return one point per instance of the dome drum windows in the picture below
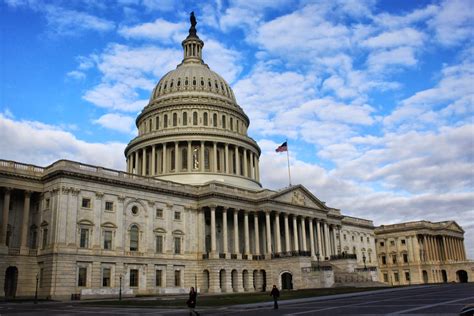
(205, 119)
(214, 120)
(185, 118)
(175, 119)
(165, 121)
(195, 118)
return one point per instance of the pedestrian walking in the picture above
(276, 294)
(191, 302)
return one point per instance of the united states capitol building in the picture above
(190, 211)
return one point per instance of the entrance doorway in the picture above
(462, 276)
(287, 281)
(444, 275)
(425, 276)
(11, 280)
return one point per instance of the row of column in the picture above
(442, 248)
(138, 161)
(25, 219)
(322, 236)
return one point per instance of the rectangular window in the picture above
(407, 276)
(82, 277)
(106, 277)
(394, 258)
(345, 237)
(159, 213)
(403, 241)
(109, 206)
(392, 242)
(353, 238)
(133, 278)
(177, 216)
(33, 237)
(158, 278)
(405, 258)
(384, 260)
(177, 278)
(46, 203)
(159, 244)
(45, 238)
(395, 276)
(84, 240)
(107, 240)
(361, 239)
(385, 277)
(177, 245)
(368, 239)
(382, 244)
(86, 203)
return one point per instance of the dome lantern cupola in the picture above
(192, 130)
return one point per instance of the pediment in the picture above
(298, 195)
(454, 227)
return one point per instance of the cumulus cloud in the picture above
(160, 29)
(118, 122)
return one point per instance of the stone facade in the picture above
(422, 252)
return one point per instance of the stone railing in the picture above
(372, 269)
(288, 254)
(21, 167)
(316, 269)
(344, 256)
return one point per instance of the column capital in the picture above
(212, 206)
(7, 189)
(285, 214)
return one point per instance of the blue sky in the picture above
(375, 97)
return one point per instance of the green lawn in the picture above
(227, 299)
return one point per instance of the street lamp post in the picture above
(363, 259)
(317, 256)
(120, 289)
(36, 291)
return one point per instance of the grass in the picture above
(227, 299)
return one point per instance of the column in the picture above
(226, 158)
(202, 166)
(190, 158)
(257, 169)
(153, 160)
(326, 238)
(6, 209)
(128, 164)
(236, 232)
(269, 233)
(237, 160)
(287, 234)
(25, 221)
(176, 157)
(340, 239)
(144, 161)
(277, 232)
(303, 234)
(463, 250)
(214, 157)
(295, 235)
(225, 246)
(165, 167)
(213, 229)
(246, 233)
(334, 238)
(416, 249)
(445, 251)
(252, 166)
(246, 171)
(257, 239)
(320, 248)
(311, 237)
(136, 162)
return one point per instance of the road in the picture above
(447, 299)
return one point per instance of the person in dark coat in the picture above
(191, 302)
(276, 294)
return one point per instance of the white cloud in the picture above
(224, 61)
(75, 74)
(115, 97)
(118, 122)
(160, 29)
(401, 37)
(41, 144)
(401, 56)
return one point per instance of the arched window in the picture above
(149, 125)
(223, 121)
(205, 118)
(134, 238)
(231, 124)
(195, 118)
(165, 120)
(157, 122)
(184, 158)
(214, 120)
(206, 159)
(173, 156)
(175, 119)
(185, 118)
(196, 151)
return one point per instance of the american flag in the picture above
(283, 147)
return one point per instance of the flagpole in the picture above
(288, 159)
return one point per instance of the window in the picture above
(218, 162)
(407, 275)
(177, 216)
(86, 203)
(395, 277)
(392, 242)
(382, 244)
(368, 239)
(177, 278)
(33, 237)
(185, 118)
(214, 120)
(385, 277)
(405, 258)
(159, 244)
(184, 158)
(361, 239)
(158, 278)
(45, 238)
(223, 121)
(177, 245)
(47, 203)
(384, 260)
(149, 125)
(403, 242)
(345, 237)
(175, 119)
(353, 238)
(133, 278)
(231, 124)
(157, 122)
(394, 258)
(205, 119)
(109, 206)
(206, 158)
(134, 238)
(165, 121)
(135, 210)
(195, 118)
(173, 159)
(82, 276)
(84, 240)
(107, 240)
(106, 277)
(159, 213)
